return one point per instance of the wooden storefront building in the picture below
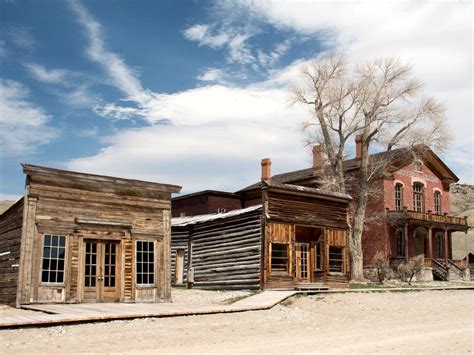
(296, 236)
(78, 237)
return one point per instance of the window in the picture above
(279, 257)
(417, 166)
(418, 197)
(145, 263)
(437, 202)
(54, 252)
(318, 262)
(335, 259)
(221, 210)
(400, 243)
(439, 245)
(398, 197)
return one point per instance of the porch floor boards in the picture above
(58, 314)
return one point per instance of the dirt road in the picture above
(414, 322)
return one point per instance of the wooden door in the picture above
(101, 271)
(302, 262)
(179, 268)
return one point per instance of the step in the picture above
(310, 286)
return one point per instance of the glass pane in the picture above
(61, 265)
(139, 278)
(62, 241)
(47, 240)
(106, 282)
(61, 252)
(94, 248)
(47, 252)
(112, 281)
(44, 276)
(60, 277)
(45, 264)
(54, 241)
(93, 281)
(53, 264)
(54, 252)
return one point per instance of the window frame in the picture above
(400, 242)
(437, 202)
(417, 166)
(342, 271)
(142, 263)
(287, 265)
(398, 196)
(57, 259)
(418, 196)
(318, 257)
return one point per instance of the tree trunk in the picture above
(357, 260)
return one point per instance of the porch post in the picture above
(406, 243)
(430, 242)
(446, 246)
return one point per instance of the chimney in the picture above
(358, 141)
(318, 158)
(266, 169)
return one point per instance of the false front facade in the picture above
(78, 237)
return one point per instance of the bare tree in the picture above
(383, 105)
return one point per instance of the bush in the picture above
(406, 272)
(381, 266)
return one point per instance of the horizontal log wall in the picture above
(226, 254)
(10, 241)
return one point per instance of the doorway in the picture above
(101, 271)
(179, 269)
(302, 264)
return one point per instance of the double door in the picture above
(101, 271)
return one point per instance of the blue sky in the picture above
(196, 92)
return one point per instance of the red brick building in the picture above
(408, 216)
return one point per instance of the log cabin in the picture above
(296, 237)
(76, 237)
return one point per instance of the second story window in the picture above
(398, 197)
(418, 204)
(437, 202)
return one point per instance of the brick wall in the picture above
(407, 176)
(204, 204)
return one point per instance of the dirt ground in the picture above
(409, 322)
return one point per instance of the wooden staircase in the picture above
(310, 286)
(440, 272)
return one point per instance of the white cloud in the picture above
(21, 37)
(39, 72)
(23, 125)
(234, 39)
(122, 76)
(212, 74)
(204, 36)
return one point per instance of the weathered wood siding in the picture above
(226, 253)
(10, 240)
(306, 210)
(90, 207)
(179, 240)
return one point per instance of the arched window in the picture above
(418, 203)
(398, 197)
(400, 243)
(437, 202)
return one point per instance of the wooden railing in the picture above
(430, 217)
